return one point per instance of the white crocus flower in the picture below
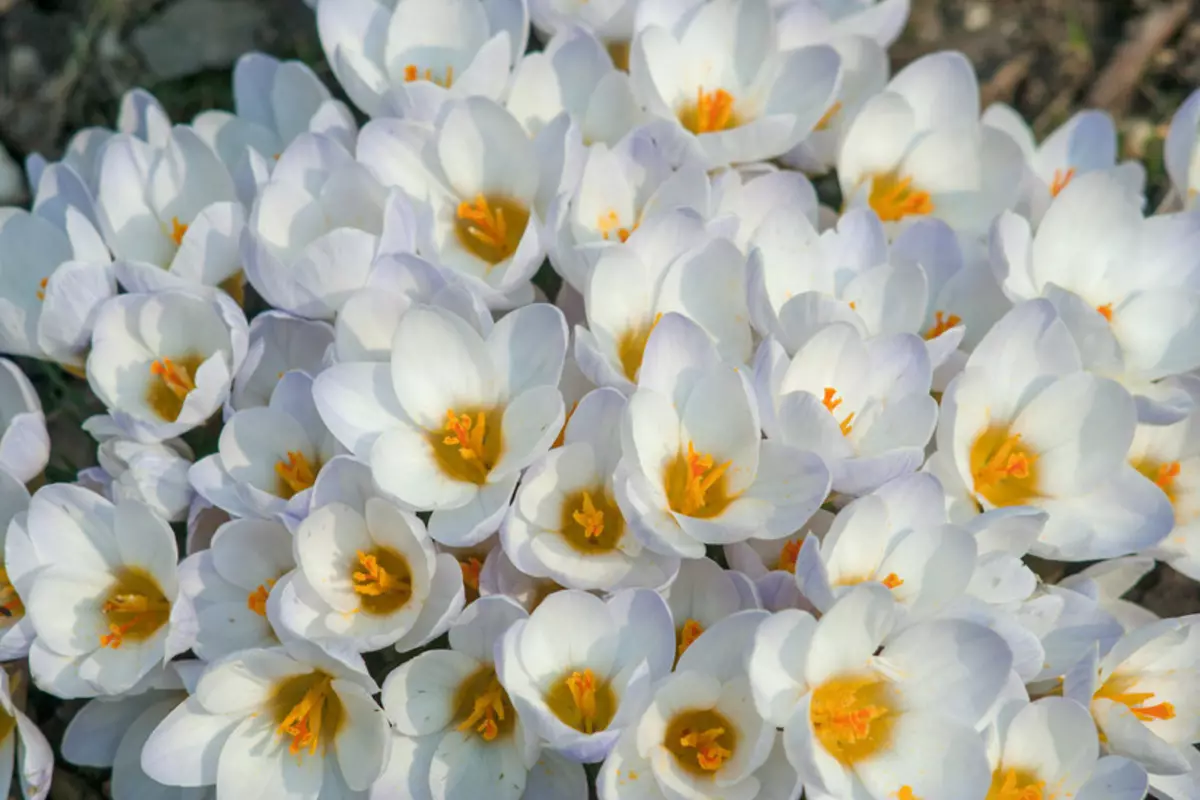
(918, 149)
(619, 188)
(458, 734)
(451, 422)
(1181, 152)
(574, 75)
(268, 458)
(155, 473)
(228, 585)
(24, 443)
(565, 524)
(102, 587)
(163, 363)
(274, 102)
(862, 405)
(277, 344)
(1141, 695)
(669, 265)
(1050, 749)
(315, 228)
(287, 721)
(1125, 286)
(16, 629)
(719, 77)
(611, 22)
(580, 669)
(869, 709)
(880, 20)
(372, 579)
(1085, 143)
(896, 536)
(24, 746)
(1025, 426)
(701, 595)
(473, 179)
(695, 470)
(426, 48)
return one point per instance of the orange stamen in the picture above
(176, 379)
(590, 518)
(690, 632)
(374, 580)
(831, 401)
(486, 226)
(178, 230)
(788, 555)
(709, 755)
(296, 472)
(1061, 179)
(1106, 311)
(942, 323)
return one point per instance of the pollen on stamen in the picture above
(788, 555)
(178, 231)
(583, 700)
(1062, 178)
(1105, 311)
(609, 225)
(686, 637)
(41, 292)
(491, 227)
(894, 198)
(831, 401)
(712, 112)
(942, 322)
(413, 73)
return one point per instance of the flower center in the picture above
(10, 603)
(685, 636)
(853, 716)
(696, 485)
(382, 580)
(631, 347)
(256, 601)
(1004, 470)
(482, 705)
(307, 710)
(1105, 311)
(788, 555)
(942, 322)
(700, 740)
(466, 448)
(712, 111)
(412, 73)
(490, 228)
(831, 401)
(609, 225)
(295, 474)
(178, 231)
(591, 522)
(41, 292)
(135, 608)
(619, 53)
(176, 377)
(471, 567)
(1015, 784)
(894, 198)
(1163, 474)
(1062, 178)
(583, 701)
(1117, 687)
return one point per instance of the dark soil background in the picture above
(64, 65)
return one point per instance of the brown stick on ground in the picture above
(1115, 86)
(1003, 85)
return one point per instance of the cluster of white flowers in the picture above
(743, 513)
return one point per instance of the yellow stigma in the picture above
(1163, 474)
(609, 225)
(591, 522)
(256, 601)
(696, 486)
(895, 198)
(490, 227)
(412, 73)
(942, 322)
(583, 701)
(853, 717)
(831, 401)
(712, 111)
(135, 608)
(686, 636)
(467, 446)
(295, 474)
(178, 231)
(1003, 469)
(308, 711)
(701, 740)
(176, 378)
(589, 518)
(1016, 784)
(1117, 689)
(483, 706)
(1105, 311)
(382, 579)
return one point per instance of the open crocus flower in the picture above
(701, 595)
(574, 75)
(315, 228)
(862, 405)
(1025, 426)
(618, 188)
(268, 458)
(372, 579)
(458, 734)
(565, 523)
(918, 149)
(289, 721)
(448, 428)
(1085, 143)
(1050, 749)
(695, 470)
(473, 180)
(610, 22)
(1142, 695)
(277, 344)
(24, 745)
(874, 711)
(460, 48)
(669, 265)
(1124, 285)
(101, 591)
(228, 584)
(155, 473)
(274, 102)
(163, 363)
(737, 101)
(580, 669)
(24, 443)
(896, 536)
(1181, 152)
